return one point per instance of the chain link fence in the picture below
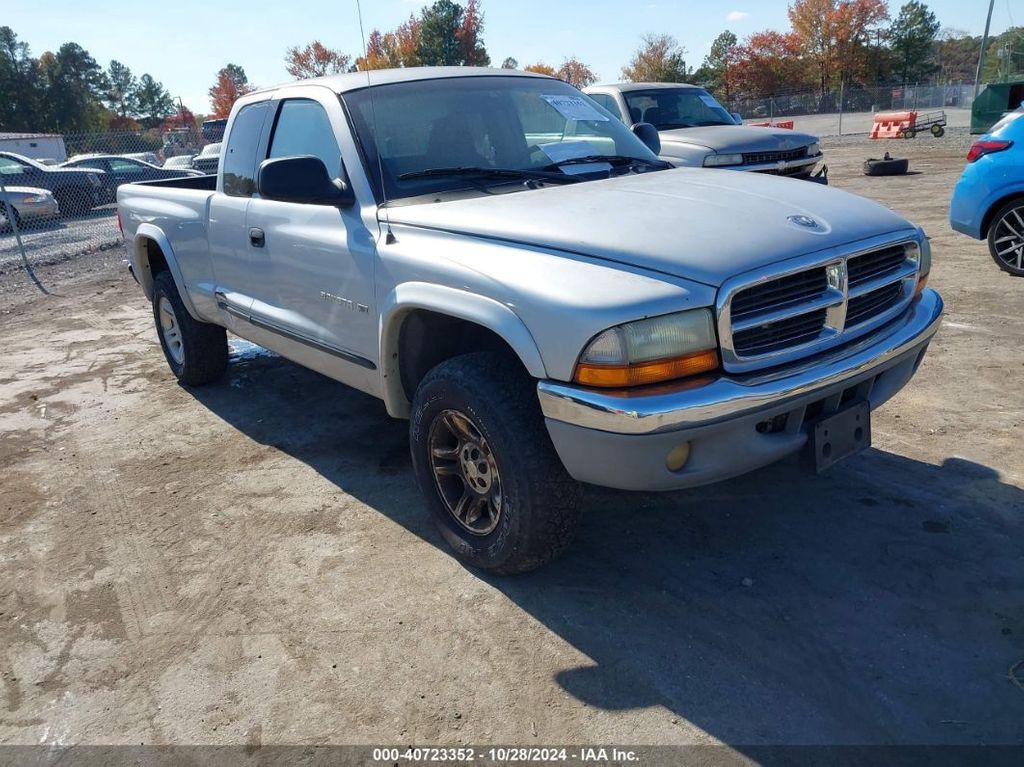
(58, 193)
(915, 97)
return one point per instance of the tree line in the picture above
(67, 91)
(830, 44)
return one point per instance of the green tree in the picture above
(1004, 57)
(510, 63)
(20, 104)
(153, 104)
(75, 84)
(912, 38)
(439, 34)
(659, 59)
(120, 95)
(713, 73)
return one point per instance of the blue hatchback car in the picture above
(988, 200)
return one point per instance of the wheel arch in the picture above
(465, 321)
(986, 222)
(152, 253)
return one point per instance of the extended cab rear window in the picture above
(239, 159)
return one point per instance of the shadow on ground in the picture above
(882, 603)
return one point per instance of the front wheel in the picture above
(485, 463)
(1006, 237)
(9, 218)
(197, 352)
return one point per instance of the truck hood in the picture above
(695, 224)
(726, 139)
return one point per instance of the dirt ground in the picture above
(250, 563)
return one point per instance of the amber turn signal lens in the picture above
(922, 280)
(641, 373)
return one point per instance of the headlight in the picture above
(813, 150)
(718, 160)
(32, 198)
(921, 252)
(650, 351)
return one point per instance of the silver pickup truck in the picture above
(512, 269)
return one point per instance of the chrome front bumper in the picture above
(620, 438)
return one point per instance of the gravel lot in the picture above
(250, 563)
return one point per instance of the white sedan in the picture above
(27, 203)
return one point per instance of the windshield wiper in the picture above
(482, 172)
(615, 160)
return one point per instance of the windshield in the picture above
(667, 108)
(507, 124)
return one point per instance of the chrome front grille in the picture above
(775, 315)
(757, 158)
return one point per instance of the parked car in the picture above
(696, 131)
(116, 170)
(76, 190)
(213, 130)
(514, 271)
(208, 159)
(182, 161)
(988, 200)
(149, 157)
(25, 205)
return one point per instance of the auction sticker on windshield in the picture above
(574, 108)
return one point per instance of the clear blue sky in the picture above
(184, 43)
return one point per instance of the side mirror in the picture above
(302, 179)
(649, 135)
(737, 117)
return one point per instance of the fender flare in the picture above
(460, 304)
(142, 271)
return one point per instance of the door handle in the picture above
(257, 238)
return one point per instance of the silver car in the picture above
(27, 203)
(698, 132)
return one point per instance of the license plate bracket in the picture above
(839, 435)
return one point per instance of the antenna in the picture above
(390, 237)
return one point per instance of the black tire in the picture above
(1006, 237)
(938, 131)
(875, 167)
(540, 504)
(198, 352)
(909, 134)
(7, 226)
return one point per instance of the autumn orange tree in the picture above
(397, 48)
(834, 36)
(315, 60)
(231, 85)
(769, 63)
(541, 68)
(576, 73)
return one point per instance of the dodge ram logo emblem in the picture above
(806, 221)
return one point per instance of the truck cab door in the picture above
(316, 262)
(238, 272)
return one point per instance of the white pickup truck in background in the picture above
(508, 266)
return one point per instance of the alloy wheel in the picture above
(465, 472)
(1008, 243)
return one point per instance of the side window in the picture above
(304, 128)
(9, 167)
(126, 166)
(608, 102)
(240, 158)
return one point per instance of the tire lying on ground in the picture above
(886, 167)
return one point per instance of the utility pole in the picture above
(984, 45)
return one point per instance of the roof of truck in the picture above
(351, 81)
(627, 87)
